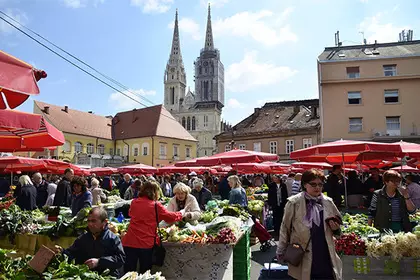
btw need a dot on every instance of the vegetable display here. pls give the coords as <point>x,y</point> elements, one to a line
<point>146,276</point>
<point>256,205</point>
<point>396,246</point>
<point>7,200</point>
<point>357,224</point>
<point>350,244</point>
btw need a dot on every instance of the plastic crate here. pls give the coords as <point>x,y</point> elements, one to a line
<point>242,258</point>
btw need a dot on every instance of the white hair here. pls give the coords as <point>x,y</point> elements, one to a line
<point>94,182</point>
<point>25,180</point>
<point>37,175</point>
<point>198,182</point>
<point>182,188</point>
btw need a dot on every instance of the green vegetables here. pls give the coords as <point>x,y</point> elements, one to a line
<point>357,224</point>
<point>208,216</point>
<point>256,205</point>
<point>235,211</point>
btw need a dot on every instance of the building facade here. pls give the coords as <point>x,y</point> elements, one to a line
<point>277,128</point>
<point>93,140</point>
<point>199,112</point>
<point>370,92</point>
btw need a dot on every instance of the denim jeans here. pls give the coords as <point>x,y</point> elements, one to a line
<point>135,256</point>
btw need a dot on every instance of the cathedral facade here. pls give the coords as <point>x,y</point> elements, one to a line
<point>200,111</point>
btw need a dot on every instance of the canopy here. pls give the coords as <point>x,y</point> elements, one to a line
<point>21,131</point>
<point>13,163</point>
<point>406,169</point>
<point>236,156</point>
<point>187,163</point>
<point>409,149</point>
<point>137,169</point>
<point>103,171</point>
<point>310,165</point>
<point>185,170</point>
<point>17,80</point>
<point>58,167</point>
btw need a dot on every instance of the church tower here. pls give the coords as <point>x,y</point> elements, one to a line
<point>209,72</point>
<point>175,80</point>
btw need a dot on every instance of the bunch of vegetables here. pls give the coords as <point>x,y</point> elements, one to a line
<point>7,200</point>
<point>395,245</point>
<point>146,276</point>
<point>235,211</point>
<point>256,205</point>
<point>118,228</point>
<point>112,192</point>
<point>350,244</point>
<point>415,217</point>
<point>66,227</point>
<point>225,236</point>
<point>208,216</point>
<point>357,224</point>
<point>113,198</point>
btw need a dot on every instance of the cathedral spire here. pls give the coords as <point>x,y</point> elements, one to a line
<point>209,33</point>
<point>176,56</point>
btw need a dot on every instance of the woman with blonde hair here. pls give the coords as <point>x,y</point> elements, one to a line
<point>237,194</point>
<point>26,194</point>
<point>184,201</point>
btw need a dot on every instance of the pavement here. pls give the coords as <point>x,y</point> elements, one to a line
<point>258,259</point>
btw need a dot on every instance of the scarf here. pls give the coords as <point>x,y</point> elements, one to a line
<point>313,207</point>
<point>181,204</point>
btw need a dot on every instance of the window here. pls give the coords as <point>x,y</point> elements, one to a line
<point>391,96</point>
<point>183,122</point>
<point>162,150</point>
<point>136,151</point>
<point>118,151</point>
<point>125,151</point>
<point>145,148</point>
<point>227,148</point>
<point>290,146</point>
<point>393,126</point>
<point>101,149</point>
<point>78,147</point>
<point>90,148</point>
<point>354,97</point>
<point>193,123</point>
<point>175,150</point>
<point>355,124</point>
<point>390,70</point>
<point>257,147</point>
<point>111,151</point>
<point>242,147</point>
<point>67,147</point>
<point>188,123</point>
<point>353,72</point>
<point>273,147</point>
<point>206,121</point>
<point>187,152</point>
<point>307,142</point>
<point>172,96</point>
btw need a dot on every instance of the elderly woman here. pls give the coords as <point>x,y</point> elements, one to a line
<point>52,188</point>
<point>237,194</point>
<point>185,202</point>
<point>82,198</point>
<point>26,194</point>
<point>390,207</point>
<point>201,193</point>
<point>133,191</point>
<point>311,220</point>
<point>98,195</point>
<point>141,234</point>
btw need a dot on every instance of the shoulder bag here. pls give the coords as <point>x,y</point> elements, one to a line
<point>294,252</point>
<point>158,251</point>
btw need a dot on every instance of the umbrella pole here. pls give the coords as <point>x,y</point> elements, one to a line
<point>345,181</point>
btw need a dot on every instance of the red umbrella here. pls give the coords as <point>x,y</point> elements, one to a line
<point>310,165</point>
<point>406,169</point>
<point>187,163</point>
<point>221,168</point>
<point>58,167</point>
<point>17,80</point>
<point>236,156</point>
<point>137,169</point>
<point>13,164</point>
<point>185,170</point>
<point>252,167</point>
<point>409,149</point>
<point>103,171</point>
<point>23,131</point>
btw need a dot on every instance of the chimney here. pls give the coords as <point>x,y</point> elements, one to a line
<point>314,111</point>
<point>47,109</point>
<point>257,111</point>
<point>90,112</point>
<point>296,109</point>
<point>66,109</point>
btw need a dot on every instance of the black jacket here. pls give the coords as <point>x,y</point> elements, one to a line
<point>63,193</point>
<point>26,197</point>
<point>107,248</point>
<point>272,195</point>
<point>224,189</point>
<point>41,194</point>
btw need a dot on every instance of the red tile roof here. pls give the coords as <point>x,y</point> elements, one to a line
<point>146,122</point>
<point>76,122</point>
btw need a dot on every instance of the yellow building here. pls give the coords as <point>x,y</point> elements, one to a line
<point>370,92</point>
<point>150,136</point>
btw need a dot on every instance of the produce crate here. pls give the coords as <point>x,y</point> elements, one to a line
<point>5,243</point>
<point>26,243</point>
<point>45,240</point>
<point>242,258</point>
<point>358,268</point>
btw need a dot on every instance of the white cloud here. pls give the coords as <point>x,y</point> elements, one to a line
<point>249,74</point>
<point>121,102</point>
<point>234,104</point>
<point>189,27</point>
<point>153,6</point>
<point>17,15</point>
<point>364,1</point>
<point>214,3</point>
<point>376,29</point>
<point>265,27</point>
<point>76,4</point>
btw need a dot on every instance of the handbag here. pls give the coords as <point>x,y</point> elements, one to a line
<point>158,251</point>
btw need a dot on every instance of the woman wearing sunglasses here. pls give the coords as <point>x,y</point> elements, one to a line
<point>311,220</point>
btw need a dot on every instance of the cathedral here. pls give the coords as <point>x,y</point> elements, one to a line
<point>200,111</point>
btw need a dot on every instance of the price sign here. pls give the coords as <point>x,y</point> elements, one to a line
<point>41,259</point>
<point>417,266</point>
<point>361,265</point>
<point>392,267</point>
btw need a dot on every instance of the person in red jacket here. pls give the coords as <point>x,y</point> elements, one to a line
<point>141,234</point>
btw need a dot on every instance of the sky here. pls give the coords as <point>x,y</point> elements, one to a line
<point>269,48</point>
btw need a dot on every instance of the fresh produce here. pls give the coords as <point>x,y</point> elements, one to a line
<point>212,205</point>
<point>118,228</point>
<point>13,221</point>
<point>222,203</point>
<point>350,244</point>
<point>208,216</point>
<point>395,245</point>
<point>415,217</point>
<point>357,224</point>
<point>7,200</point>
<point>225,236</point>
<point>115,192</point>
<point>146,276</point>
<point>256,205</point>
<point>235,211</point>
<point>113,198</point>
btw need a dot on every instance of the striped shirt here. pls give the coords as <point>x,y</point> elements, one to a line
<point>296,187</point>
<point>396,215</point>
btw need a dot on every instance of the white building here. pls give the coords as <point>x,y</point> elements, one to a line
<point>200,111</point>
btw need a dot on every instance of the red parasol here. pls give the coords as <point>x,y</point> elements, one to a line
<point>409,149</point>
<point>137,169</point>
<point>310,165</point>
<point>406,169</point>
<point>185,170</point>
<point>235,157</point>
<point>58,167</point>
<point>13,164</point>
<point>17,80</point>
<point>23,131</point>
<point>103,171</point>
<point>187,163</point>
